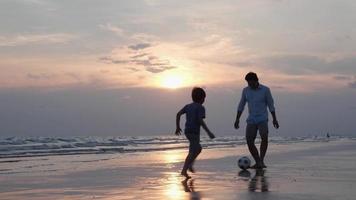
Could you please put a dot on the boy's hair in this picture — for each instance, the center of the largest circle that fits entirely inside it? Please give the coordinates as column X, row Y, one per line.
column 198, row 94
column 251, row 76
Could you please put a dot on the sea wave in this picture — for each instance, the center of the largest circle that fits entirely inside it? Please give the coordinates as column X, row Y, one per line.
column 13, row 147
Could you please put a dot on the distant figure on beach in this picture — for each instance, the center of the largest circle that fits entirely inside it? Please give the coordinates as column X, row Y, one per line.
column 195, row 114
column 258, row 97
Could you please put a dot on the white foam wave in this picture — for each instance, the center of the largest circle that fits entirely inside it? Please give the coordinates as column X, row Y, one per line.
column 46, row 146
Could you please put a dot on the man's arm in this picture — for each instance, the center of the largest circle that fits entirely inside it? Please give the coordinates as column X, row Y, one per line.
column 271, row 108
column 205, row 127
column 237, row 120
column 240, row 109
column 275, row 122
column 178, row 129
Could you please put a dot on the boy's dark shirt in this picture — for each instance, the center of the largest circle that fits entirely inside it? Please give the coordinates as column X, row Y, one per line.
column 194, row 112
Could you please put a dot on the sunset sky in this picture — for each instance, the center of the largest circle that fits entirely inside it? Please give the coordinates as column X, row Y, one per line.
column 109, row 67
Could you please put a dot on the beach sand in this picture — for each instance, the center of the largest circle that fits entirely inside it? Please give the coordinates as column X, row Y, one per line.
column 305, row 170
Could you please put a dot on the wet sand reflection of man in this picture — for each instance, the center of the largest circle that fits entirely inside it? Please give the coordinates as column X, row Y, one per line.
column 259, row 182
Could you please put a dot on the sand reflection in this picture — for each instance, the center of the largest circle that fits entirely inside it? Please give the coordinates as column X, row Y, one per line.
column 171, row 157
column 188, row 185
column 259, row 182
column 178, row 188
column 173, row 189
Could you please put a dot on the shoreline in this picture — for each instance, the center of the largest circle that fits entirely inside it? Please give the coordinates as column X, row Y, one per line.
column 295, row 171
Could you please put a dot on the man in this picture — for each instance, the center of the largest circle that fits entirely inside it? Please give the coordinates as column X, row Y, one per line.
column 258, row 97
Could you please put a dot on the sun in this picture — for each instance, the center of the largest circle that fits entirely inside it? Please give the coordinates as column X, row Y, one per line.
column 172, row 81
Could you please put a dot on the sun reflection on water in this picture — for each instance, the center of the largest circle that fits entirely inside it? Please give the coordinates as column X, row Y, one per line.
column 174, row 156
column 174, row 190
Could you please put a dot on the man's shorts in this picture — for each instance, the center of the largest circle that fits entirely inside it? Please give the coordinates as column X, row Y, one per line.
column 251, row 130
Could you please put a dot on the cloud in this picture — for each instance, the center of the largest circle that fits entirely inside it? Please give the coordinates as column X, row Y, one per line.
column 152, row 2
column 143, row 37
column 159, row 69
column 104, row 71
column 20, row 40
column 37, row 2
column 352, row 84
column 40, row 76
column 153, row 64
column 74, row 76
column 114, row 29
column 294, row 64
column 308, row 64
column 140, row 46
column 101, row 78
column 110, row 60
column 140, row 57
column 342, row 77
column 133, row 69
column 46, row 76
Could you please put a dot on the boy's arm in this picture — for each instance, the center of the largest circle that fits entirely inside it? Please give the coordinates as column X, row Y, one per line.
column 178, row 129
column 205, row 127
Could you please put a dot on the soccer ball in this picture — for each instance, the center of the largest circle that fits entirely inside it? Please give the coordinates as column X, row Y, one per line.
column 244, row 162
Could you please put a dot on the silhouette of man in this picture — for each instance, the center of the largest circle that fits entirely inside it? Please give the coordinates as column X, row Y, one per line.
column 258, row 97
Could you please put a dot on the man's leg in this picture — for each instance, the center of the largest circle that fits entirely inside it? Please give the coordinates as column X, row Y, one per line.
column 263, row 130
column 251, row 132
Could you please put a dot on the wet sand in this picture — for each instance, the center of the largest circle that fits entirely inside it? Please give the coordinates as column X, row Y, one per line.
column 315, row 170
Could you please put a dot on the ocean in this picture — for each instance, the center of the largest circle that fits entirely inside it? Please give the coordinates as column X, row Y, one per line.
column 15, row 147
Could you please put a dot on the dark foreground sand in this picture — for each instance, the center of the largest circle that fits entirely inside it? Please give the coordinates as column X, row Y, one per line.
column 308, row 171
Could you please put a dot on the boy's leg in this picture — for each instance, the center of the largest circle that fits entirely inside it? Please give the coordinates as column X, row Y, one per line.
column 263, row 130
column 194, row 151
column 187, row 164
column 189, row 161
column 251, row 133
column 192, row 155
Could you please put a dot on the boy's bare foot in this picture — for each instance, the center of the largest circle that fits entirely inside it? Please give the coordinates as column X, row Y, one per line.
column 185, row 174
column 191, row 169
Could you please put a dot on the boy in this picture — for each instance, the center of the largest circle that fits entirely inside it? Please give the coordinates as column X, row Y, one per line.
column 195, row 113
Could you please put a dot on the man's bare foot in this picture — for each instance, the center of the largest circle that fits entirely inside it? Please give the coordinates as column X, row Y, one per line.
column 263, row 165
column 255, row 166
column 185, row 174
column 191, row 169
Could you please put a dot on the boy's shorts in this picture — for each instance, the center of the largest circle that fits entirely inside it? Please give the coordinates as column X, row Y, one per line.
column 194, row 142
column 251, row 130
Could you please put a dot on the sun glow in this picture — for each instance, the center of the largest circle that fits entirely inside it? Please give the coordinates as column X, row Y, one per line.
column 172, row 81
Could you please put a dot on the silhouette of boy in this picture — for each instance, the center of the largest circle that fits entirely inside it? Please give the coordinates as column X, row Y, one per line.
column 195, row 114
